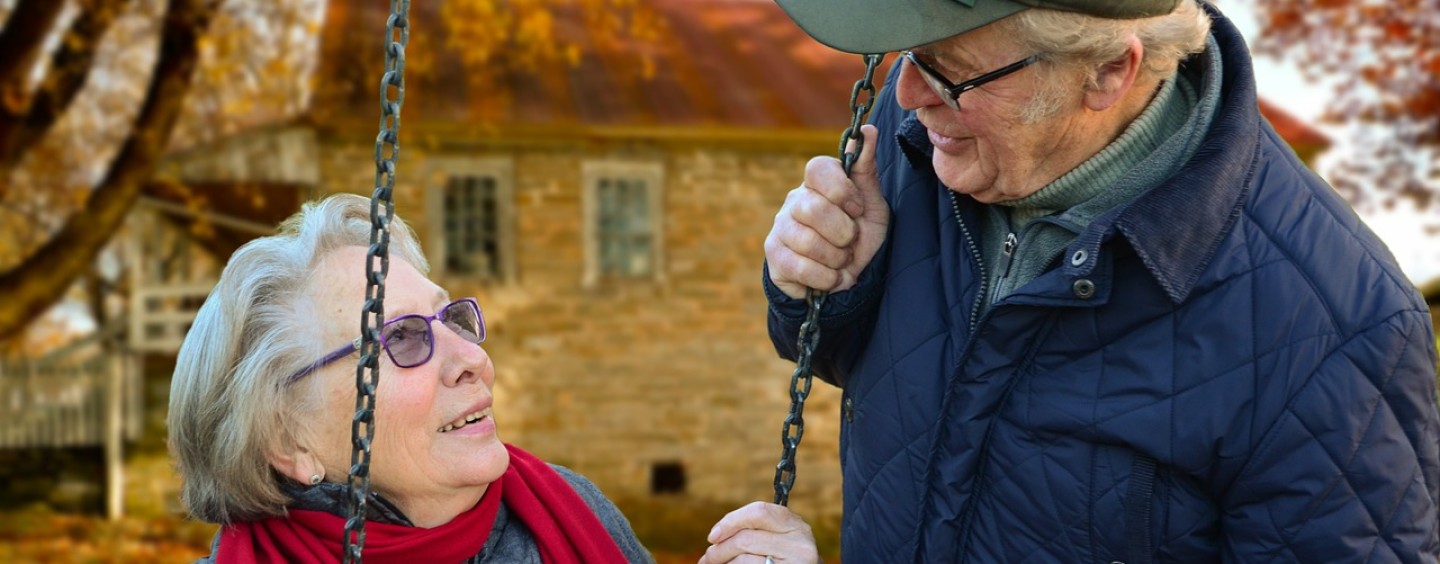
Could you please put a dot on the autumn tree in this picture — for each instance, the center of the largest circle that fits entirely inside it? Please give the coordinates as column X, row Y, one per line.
column 484, row 44
column 94, row 93
column 1387, row 55
column 46, row 251
column 100, row 91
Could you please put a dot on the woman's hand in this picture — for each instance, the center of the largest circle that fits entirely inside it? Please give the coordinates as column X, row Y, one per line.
column 750, row 534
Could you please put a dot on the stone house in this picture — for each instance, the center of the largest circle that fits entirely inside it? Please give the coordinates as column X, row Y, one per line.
column 611, row 224
column 610, row 220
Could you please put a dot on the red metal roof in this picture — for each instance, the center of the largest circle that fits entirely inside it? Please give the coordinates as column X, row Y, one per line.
column 1291, row 128
column 731, row 63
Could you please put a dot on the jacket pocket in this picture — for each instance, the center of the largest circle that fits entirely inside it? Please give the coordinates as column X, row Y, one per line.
column 1156, row 513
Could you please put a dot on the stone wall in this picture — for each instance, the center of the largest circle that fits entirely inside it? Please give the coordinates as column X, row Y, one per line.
column 616, row 378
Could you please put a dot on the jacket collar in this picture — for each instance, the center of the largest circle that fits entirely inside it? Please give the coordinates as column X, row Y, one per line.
column 1208, row 190
column 331, row 498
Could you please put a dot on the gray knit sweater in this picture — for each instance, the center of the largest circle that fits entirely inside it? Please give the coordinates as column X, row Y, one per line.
column 1039, row 227
column 509, row 542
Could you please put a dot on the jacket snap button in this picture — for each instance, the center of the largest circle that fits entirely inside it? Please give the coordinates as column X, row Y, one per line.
column 848, row 407
column 1083, row 288
column 1079, row 257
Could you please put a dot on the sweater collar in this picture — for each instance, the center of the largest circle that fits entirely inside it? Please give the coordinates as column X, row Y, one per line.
column 1166, row 114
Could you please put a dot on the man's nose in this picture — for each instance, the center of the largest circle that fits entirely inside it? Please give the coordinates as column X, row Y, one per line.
column 911, row 90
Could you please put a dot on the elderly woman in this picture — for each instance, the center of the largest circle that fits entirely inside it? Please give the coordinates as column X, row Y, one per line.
column 262, row 401
column 1085, row 305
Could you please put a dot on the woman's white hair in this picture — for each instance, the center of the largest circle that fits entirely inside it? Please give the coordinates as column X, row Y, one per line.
column 230, row 406
column 1074, row 42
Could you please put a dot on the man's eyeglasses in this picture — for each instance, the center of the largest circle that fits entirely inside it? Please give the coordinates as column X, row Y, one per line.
column 409, row 340
column 950, row 92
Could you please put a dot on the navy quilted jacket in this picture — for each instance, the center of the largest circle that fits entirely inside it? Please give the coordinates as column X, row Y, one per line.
column 1231, row 368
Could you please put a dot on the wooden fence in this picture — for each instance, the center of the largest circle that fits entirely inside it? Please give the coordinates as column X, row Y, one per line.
column 78, row 396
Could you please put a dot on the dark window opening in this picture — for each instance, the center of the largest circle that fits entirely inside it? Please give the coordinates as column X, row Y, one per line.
column 472, row 227
column 667, row 478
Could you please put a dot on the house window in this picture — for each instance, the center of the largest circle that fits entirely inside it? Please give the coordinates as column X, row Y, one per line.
column 472, row 227
column 473, row 206
column 623, row 220
column 624, row 236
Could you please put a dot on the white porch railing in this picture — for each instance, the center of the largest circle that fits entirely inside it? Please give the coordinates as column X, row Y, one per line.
column 76, row 397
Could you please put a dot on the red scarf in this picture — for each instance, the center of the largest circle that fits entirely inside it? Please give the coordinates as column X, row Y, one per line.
column 564, row 527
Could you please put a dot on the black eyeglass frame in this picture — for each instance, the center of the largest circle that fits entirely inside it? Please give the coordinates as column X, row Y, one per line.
column 950, row 92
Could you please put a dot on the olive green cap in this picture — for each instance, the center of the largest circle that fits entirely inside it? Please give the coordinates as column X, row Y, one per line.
column 881, row 26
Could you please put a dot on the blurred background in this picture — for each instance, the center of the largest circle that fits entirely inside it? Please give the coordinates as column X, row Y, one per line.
column 601, row 174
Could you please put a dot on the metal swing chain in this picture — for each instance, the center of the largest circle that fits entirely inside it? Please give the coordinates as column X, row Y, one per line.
column 801, row 379
column 377, row 263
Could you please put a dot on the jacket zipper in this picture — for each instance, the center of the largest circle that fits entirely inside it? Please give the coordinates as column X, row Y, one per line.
column 1008, row 251
column 973, row 319
column 979, row 263
column 1007, row 257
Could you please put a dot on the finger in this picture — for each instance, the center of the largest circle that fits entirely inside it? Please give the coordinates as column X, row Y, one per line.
column 756, row 515
column 808, row 243
column 800, row 222
column 874, row 224
column 863, row 173
column 793, row 547
column 812, row 209
column 738, row 559
column 744, row 544
column 863, row 179
column 793, row 273
column 827, row 177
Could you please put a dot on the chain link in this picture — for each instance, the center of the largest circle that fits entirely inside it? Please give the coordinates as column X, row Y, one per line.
column 801, row 379
column 377, row 267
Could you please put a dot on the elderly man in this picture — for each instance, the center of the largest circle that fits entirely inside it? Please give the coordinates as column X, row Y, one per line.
column 1086, row 306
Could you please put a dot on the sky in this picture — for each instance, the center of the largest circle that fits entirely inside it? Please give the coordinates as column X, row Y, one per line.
column 1402, row 228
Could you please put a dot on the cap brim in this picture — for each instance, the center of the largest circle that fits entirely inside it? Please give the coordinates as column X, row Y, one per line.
column 882, row 26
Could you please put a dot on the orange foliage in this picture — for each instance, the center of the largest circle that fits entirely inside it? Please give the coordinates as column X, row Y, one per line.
column 1387, row 55
column 77, row 102
column 492, row 36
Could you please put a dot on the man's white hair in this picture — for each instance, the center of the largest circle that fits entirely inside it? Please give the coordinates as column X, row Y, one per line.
column 1074, row 44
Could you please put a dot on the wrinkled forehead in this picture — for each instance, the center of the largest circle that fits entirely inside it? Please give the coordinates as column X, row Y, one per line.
column 338, row 285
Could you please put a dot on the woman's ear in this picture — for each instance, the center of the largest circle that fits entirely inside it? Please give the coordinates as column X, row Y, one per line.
column 297, row 463
column 1114, row 79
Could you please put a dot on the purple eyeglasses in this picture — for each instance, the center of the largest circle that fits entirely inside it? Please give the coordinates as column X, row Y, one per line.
column 409, row 340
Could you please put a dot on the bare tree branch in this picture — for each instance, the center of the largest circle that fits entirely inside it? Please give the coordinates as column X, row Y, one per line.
column 41, row 280
column 69, row 69
column 20, row 42
column 21, row 39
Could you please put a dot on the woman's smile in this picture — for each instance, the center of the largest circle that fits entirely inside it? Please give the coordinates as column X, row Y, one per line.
column 477, row 422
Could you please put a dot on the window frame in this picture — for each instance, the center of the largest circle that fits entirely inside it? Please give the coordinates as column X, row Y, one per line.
column 441, row 171
column 652, row 175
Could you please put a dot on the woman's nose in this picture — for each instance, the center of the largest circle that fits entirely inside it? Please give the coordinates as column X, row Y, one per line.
column 911, row 91
column 464, row 361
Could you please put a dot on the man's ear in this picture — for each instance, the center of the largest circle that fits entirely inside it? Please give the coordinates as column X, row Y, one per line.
column 1114, row 79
